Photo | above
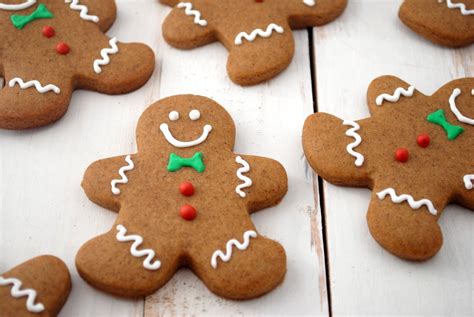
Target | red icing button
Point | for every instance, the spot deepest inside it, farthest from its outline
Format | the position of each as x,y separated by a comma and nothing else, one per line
423,140
186,189
62,48
187,212
48,31
402,155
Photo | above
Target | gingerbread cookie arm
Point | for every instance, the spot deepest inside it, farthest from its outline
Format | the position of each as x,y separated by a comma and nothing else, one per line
389,91
117,68
186,27
326,138
105,180
254,185
259,54
308,13
38,286
33,97
103,11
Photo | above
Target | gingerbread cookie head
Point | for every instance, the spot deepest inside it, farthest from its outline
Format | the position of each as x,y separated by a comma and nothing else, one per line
258,34
49,48
445,22
184,200
415,152
38,287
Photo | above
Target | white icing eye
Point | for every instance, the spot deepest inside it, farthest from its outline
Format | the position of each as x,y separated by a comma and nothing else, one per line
194,115
174,115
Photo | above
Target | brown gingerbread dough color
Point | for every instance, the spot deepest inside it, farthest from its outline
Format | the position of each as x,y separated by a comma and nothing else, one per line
49,48
415,152
445,22
184,200
257,33
38,287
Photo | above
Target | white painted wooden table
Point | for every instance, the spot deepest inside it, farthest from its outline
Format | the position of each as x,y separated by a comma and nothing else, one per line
334,266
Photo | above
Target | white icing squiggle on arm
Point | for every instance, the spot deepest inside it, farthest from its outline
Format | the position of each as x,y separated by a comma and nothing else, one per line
188,10
230,244
17,292
105,55
247,181
396,95
414,204
251,37
137,241
17,7
468,181
358,140
34,83
124,179
455,110
459,5
84,11
309,3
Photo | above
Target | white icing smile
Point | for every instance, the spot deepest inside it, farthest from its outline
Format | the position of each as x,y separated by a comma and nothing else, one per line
183,144
15,7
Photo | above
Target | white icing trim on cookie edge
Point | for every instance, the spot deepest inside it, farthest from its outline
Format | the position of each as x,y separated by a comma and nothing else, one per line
358,140
84,11
247,182
34,83
124,179
188,10
137,241
258,32
17,292
414,204
396,95
230,244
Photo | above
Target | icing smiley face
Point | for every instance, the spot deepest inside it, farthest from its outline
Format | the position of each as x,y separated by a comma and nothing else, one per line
193,115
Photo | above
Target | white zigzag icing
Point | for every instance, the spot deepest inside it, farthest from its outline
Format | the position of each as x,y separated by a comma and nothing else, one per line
124,179
113,49
468,181
414,204
84,11
460,6
231,243
33,83
137,241
452,103
17,7
189,11
17,292
251,37
396,95
350,148
247,181
309,3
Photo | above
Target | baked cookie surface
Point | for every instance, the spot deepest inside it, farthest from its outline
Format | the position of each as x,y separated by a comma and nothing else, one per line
415,152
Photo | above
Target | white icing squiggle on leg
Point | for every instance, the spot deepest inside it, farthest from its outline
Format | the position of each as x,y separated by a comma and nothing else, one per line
230,244
84,11
468,179
414,204
309,3
455,110
34,83
247,181
137,241
188,10
396,95
17,292
124,179
251,37
358,140
113,49
17,7
459,5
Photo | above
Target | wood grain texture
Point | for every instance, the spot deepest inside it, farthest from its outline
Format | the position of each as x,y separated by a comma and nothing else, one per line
369,41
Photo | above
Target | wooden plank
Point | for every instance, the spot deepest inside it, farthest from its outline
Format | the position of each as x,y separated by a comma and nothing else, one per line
369,41
269,118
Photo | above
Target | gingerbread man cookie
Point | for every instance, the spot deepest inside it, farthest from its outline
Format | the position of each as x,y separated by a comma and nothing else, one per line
415,152
184,200
48,48
257,33
38,287
445,22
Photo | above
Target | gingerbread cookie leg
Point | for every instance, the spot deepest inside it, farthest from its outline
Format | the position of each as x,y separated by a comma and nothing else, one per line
126,263
117,68
243,265
46,93
326,138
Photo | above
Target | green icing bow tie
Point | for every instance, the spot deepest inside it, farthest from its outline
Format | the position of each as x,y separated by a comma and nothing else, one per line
439,117
20,21
177,162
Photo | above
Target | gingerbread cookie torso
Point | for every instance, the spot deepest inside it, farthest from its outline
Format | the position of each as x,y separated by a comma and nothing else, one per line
445,22
258,34
184,200
49,48
38,287
415,152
